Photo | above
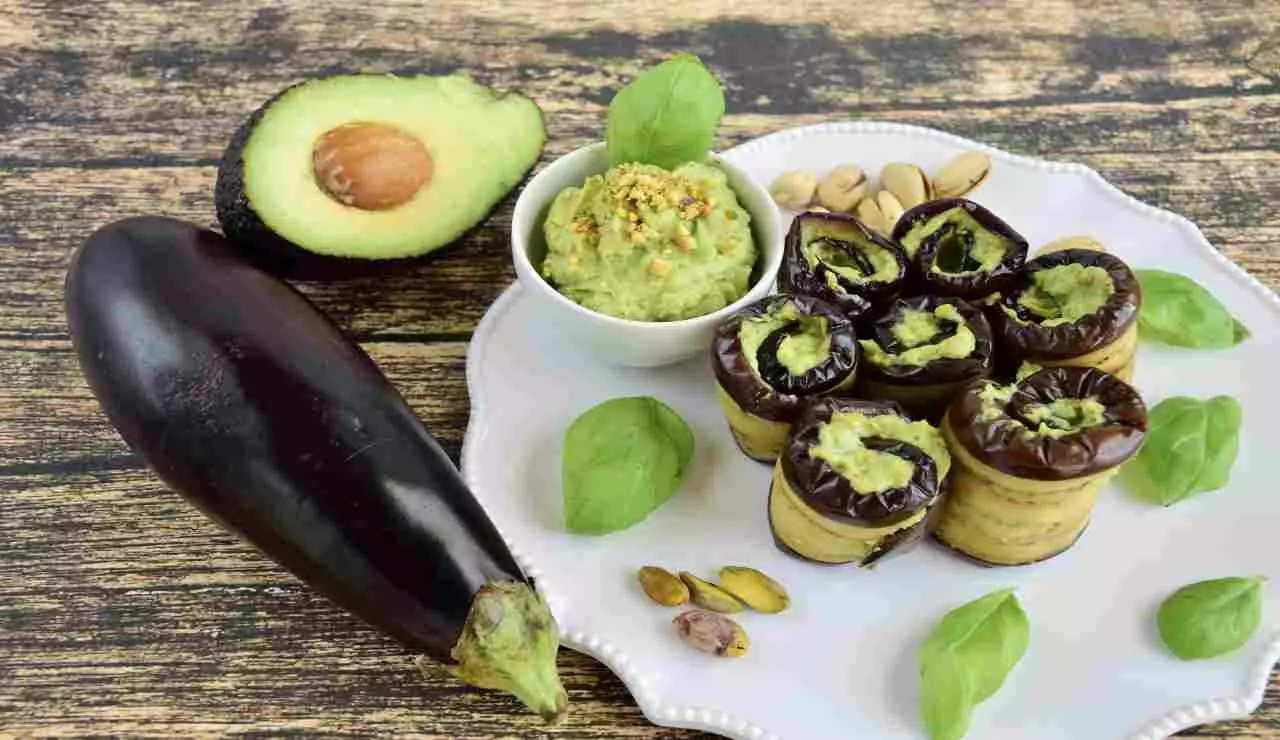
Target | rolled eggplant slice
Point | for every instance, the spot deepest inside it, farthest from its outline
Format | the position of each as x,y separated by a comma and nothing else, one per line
922,351
836,258
1076,307
958,248
773,355
1030,459
856,481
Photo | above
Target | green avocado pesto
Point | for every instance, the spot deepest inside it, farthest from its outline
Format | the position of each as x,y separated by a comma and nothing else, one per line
800,352
871,471
648,244
1066,293
1067,415
914,330
1058,418
989,248
818,250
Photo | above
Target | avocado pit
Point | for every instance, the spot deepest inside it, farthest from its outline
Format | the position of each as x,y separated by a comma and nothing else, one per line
371,166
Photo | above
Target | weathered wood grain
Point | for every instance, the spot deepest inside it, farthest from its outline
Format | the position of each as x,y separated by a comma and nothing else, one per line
125,613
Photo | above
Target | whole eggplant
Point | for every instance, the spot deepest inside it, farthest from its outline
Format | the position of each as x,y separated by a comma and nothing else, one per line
249,402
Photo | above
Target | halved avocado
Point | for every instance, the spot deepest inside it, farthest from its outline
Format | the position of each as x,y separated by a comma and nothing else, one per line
339,173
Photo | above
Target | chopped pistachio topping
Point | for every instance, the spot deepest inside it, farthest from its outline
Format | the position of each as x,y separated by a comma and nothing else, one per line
840,445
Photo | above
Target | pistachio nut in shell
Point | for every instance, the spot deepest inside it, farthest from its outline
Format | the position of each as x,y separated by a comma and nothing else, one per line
842,188
663,586
712,633
794,190
755,589
890,208
709,596
869,213
1071,242
964,174
908,183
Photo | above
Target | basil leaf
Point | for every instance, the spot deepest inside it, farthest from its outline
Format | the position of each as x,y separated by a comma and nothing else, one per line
622,460
946,698
667,116
1239,332
966,659
1179,311
1190,448
1211,618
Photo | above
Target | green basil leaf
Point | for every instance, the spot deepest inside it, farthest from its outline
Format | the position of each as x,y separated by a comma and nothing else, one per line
1239,332
1211,618
982,640
1190,448
946,698
1179,311
622,460
667,116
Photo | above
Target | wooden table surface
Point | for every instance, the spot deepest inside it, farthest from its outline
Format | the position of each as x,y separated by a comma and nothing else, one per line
123,612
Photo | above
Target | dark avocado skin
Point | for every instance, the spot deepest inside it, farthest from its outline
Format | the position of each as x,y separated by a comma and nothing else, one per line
273,252
252,405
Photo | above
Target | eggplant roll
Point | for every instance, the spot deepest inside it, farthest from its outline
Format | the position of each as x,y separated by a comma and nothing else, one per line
1030,459
959,248
773,355
856,481
922,351
1075,307
836,258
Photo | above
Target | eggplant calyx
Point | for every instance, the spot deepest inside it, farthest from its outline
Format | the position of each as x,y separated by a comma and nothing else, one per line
510,642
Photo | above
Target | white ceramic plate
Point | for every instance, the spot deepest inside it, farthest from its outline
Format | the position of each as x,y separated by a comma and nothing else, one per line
841,663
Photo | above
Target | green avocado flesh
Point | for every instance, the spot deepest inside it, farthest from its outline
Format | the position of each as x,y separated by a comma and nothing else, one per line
817,250
480,144
1058,418
989,248
1066,293
871,471
914,329
648,244
800,352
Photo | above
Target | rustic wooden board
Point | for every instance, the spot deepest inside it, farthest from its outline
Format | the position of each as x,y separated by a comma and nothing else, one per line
125,613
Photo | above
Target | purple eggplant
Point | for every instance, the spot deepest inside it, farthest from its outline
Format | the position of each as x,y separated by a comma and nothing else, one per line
958,248
256,408
834,257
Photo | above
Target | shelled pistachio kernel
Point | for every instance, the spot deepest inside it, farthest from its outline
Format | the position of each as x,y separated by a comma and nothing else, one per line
962,175
890,209
712,633
663,586
708,595
908,183
1071,242
869,213
794,190
755,589
842,188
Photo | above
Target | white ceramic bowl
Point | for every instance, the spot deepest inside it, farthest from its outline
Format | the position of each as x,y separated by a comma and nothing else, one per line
623,341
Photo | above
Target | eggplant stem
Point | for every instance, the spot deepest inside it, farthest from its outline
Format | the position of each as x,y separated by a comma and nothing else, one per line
510,643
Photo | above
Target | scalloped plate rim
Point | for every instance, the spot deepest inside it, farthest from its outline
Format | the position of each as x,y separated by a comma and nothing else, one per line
721,723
